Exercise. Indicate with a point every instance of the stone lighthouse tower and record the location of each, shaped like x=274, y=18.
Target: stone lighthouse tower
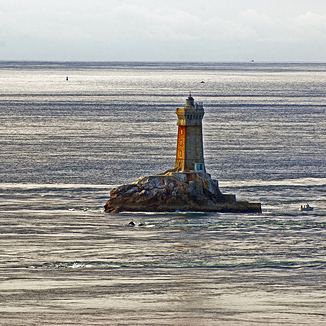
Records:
x=190, y=153
x=186, y=187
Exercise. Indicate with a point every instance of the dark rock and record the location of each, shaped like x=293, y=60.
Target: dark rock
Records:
x=191, y=191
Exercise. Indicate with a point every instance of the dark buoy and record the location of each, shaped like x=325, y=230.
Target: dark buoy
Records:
x=131, y=223
x=67, y=78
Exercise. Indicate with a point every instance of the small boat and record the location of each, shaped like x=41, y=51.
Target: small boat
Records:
x=306, y=208
x=202, y=82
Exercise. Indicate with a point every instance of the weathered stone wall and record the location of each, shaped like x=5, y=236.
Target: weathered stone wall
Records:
x=194, y=152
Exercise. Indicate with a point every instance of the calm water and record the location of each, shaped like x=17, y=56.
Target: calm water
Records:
x=66, y=144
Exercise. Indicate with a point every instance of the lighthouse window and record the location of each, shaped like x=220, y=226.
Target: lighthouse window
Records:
x=180, y=142
x=180, y=153
x=181, y=132
x=199, y=167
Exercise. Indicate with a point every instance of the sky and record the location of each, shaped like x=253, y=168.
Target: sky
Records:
x=163, y=30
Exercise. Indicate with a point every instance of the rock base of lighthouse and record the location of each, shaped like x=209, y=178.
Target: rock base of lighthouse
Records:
x=170, y=192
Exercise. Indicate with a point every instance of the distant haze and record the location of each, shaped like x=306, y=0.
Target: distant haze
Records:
x=163, y=30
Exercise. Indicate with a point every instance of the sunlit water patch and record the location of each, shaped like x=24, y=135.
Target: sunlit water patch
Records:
x=66, y=144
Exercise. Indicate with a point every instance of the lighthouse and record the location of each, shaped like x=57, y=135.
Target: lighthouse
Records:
x=186, y=187
x=190, y=153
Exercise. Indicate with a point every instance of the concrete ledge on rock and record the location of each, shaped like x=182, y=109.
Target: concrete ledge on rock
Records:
x=229, y=198
x=251, y=207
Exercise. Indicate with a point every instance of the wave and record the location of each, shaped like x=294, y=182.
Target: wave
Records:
x=35, y=186
x=316, y=264
x=301, y=182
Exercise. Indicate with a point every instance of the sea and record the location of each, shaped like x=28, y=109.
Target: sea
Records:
x=72, y=131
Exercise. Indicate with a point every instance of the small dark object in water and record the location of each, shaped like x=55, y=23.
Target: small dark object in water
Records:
x=132, y=223
x=202, y=82
x=141, y=224
x=67, y=78
x=306, y=208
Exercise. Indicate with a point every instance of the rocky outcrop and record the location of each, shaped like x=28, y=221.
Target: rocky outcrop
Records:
x=171, y=192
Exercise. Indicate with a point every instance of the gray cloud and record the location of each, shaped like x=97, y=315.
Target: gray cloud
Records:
x=141, y=30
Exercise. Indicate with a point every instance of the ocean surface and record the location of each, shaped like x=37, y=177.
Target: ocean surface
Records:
x=64, y=144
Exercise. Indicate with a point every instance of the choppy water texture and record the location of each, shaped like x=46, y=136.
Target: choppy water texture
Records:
x=66, y=144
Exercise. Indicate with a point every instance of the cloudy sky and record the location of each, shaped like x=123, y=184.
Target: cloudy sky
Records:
x=163, y=30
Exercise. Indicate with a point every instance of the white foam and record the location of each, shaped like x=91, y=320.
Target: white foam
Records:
x=285, y=182
x=232, y=184
x=31, y=186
